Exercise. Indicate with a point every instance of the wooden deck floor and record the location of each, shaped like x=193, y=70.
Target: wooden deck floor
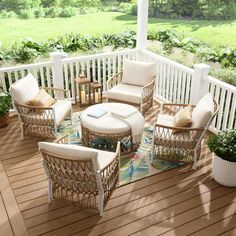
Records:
x=175, y=202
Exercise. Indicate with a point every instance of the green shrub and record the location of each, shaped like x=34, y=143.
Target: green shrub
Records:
x=227, y=75
x=23, y=54
x=124, y=7
x=7, y=14
x=5, y=103
x=26, y=14
x=224, y=145
x=39, y=12
x=68, y=12
x=52, y=12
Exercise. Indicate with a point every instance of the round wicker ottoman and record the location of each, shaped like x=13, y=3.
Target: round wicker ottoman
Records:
x=104, y=132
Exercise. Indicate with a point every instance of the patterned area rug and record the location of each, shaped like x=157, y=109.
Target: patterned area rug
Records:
x=134, y=166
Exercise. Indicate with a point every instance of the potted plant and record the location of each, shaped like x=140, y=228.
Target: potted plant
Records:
x=5, y=106
x=224, y=165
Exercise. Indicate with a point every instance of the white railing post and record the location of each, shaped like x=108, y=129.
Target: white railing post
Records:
x=57, y=70
x=199, y=83
x=142, y=24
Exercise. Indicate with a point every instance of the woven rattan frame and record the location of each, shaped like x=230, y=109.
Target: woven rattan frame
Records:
x=147, y=94
x=78, y=182
x=182, y=146
x=88, y=136
x=40, y=121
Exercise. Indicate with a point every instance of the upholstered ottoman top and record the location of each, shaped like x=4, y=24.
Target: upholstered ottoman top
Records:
x=106, y=124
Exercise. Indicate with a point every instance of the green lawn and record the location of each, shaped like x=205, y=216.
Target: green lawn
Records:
x=214, y=32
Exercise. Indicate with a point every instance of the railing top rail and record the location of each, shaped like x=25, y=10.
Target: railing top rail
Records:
x=221, y=83
x=26, y=66
x=168, y=61
x=99, y=55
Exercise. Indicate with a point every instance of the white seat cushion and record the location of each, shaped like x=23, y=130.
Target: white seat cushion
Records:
x=25, y=89
x=126, y=93
x=62, y=107
x=138, y=73
x=203, y=111
x=102, y=158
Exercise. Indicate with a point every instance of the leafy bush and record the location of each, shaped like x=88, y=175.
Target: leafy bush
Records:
x=225, y=56
x=26, y=14
x=52, y=12
x=227, y=75
x=68, y=12
x=39, y=12
x=224, y=145
x=7, y=14
x=5, y=102
x=23, y=54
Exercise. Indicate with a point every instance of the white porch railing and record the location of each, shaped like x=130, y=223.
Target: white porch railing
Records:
x=175, y=82
x=41, y=71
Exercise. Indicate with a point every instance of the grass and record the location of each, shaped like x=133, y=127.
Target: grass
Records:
x=213, y=32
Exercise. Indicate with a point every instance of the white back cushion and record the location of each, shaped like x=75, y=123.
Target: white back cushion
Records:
x=203, y=111
x=70, y=151
x=138, y=73
x=25, y=89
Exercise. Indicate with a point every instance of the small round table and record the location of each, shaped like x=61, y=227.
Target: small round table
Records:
x=104, y=132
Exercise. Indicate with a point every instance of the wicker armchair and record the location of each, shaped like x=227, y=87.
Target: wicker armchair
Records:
x=132, y=87
x=39, y=121
x=182, y=146
x=80, y=175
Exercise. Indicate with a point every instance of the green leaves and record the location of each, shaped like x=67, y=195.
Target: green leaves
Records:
x=226, y=56
x=224, y=145
x=5, y=102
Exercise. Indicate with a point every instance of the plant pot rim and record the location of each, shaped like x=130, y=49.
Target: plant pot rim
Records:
x=224, y=159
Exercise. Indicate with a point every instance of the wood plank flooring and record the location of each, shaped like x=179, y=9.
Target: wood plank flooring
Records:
x=175, y=202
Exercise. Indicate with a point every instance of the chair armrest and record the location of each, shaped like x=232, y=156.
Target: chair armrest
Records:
x=148, y=90
x=178, y=128
x=58, y=93
x=110, y=173
x=36, y=115
x=114, y=80
x=62, y=139
x=173, y=108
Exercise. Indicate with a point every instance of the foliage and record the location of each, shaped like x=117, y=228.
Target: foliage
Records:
x=193, y=9
x=5, y=102
x=26, y=14
x=68, y=12
x=224, y=145
x=227, y=75
x=39, y=12
x=29, y=50
x=52, y=12
x=226, y=56
x=7, y=14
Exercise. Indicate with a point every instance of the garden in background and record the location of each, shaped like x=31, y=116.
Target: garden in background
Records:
x=186, y=31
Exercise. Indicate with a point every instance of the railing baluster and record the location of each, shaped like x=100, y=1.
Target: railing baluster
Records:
x=99, y=70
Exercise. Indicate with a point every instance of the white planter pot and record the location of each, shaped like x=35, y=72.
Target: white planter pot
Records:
x=224, y=172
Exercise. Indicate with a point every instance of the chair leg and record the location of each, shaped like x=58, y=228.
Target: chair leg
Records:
x=101, y=203
x=197, y=153
x=22, y=132
x=49, y=191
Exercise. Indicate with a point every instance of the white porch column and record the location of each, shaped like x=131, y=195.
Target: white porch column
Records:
x=142, y=24
x=57, y=70
x=199, y=85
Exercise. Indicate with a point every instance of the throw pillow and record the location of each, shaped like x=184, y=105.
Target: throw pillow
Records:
x=183, y=118
x=203, y=111
x=43, y=99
